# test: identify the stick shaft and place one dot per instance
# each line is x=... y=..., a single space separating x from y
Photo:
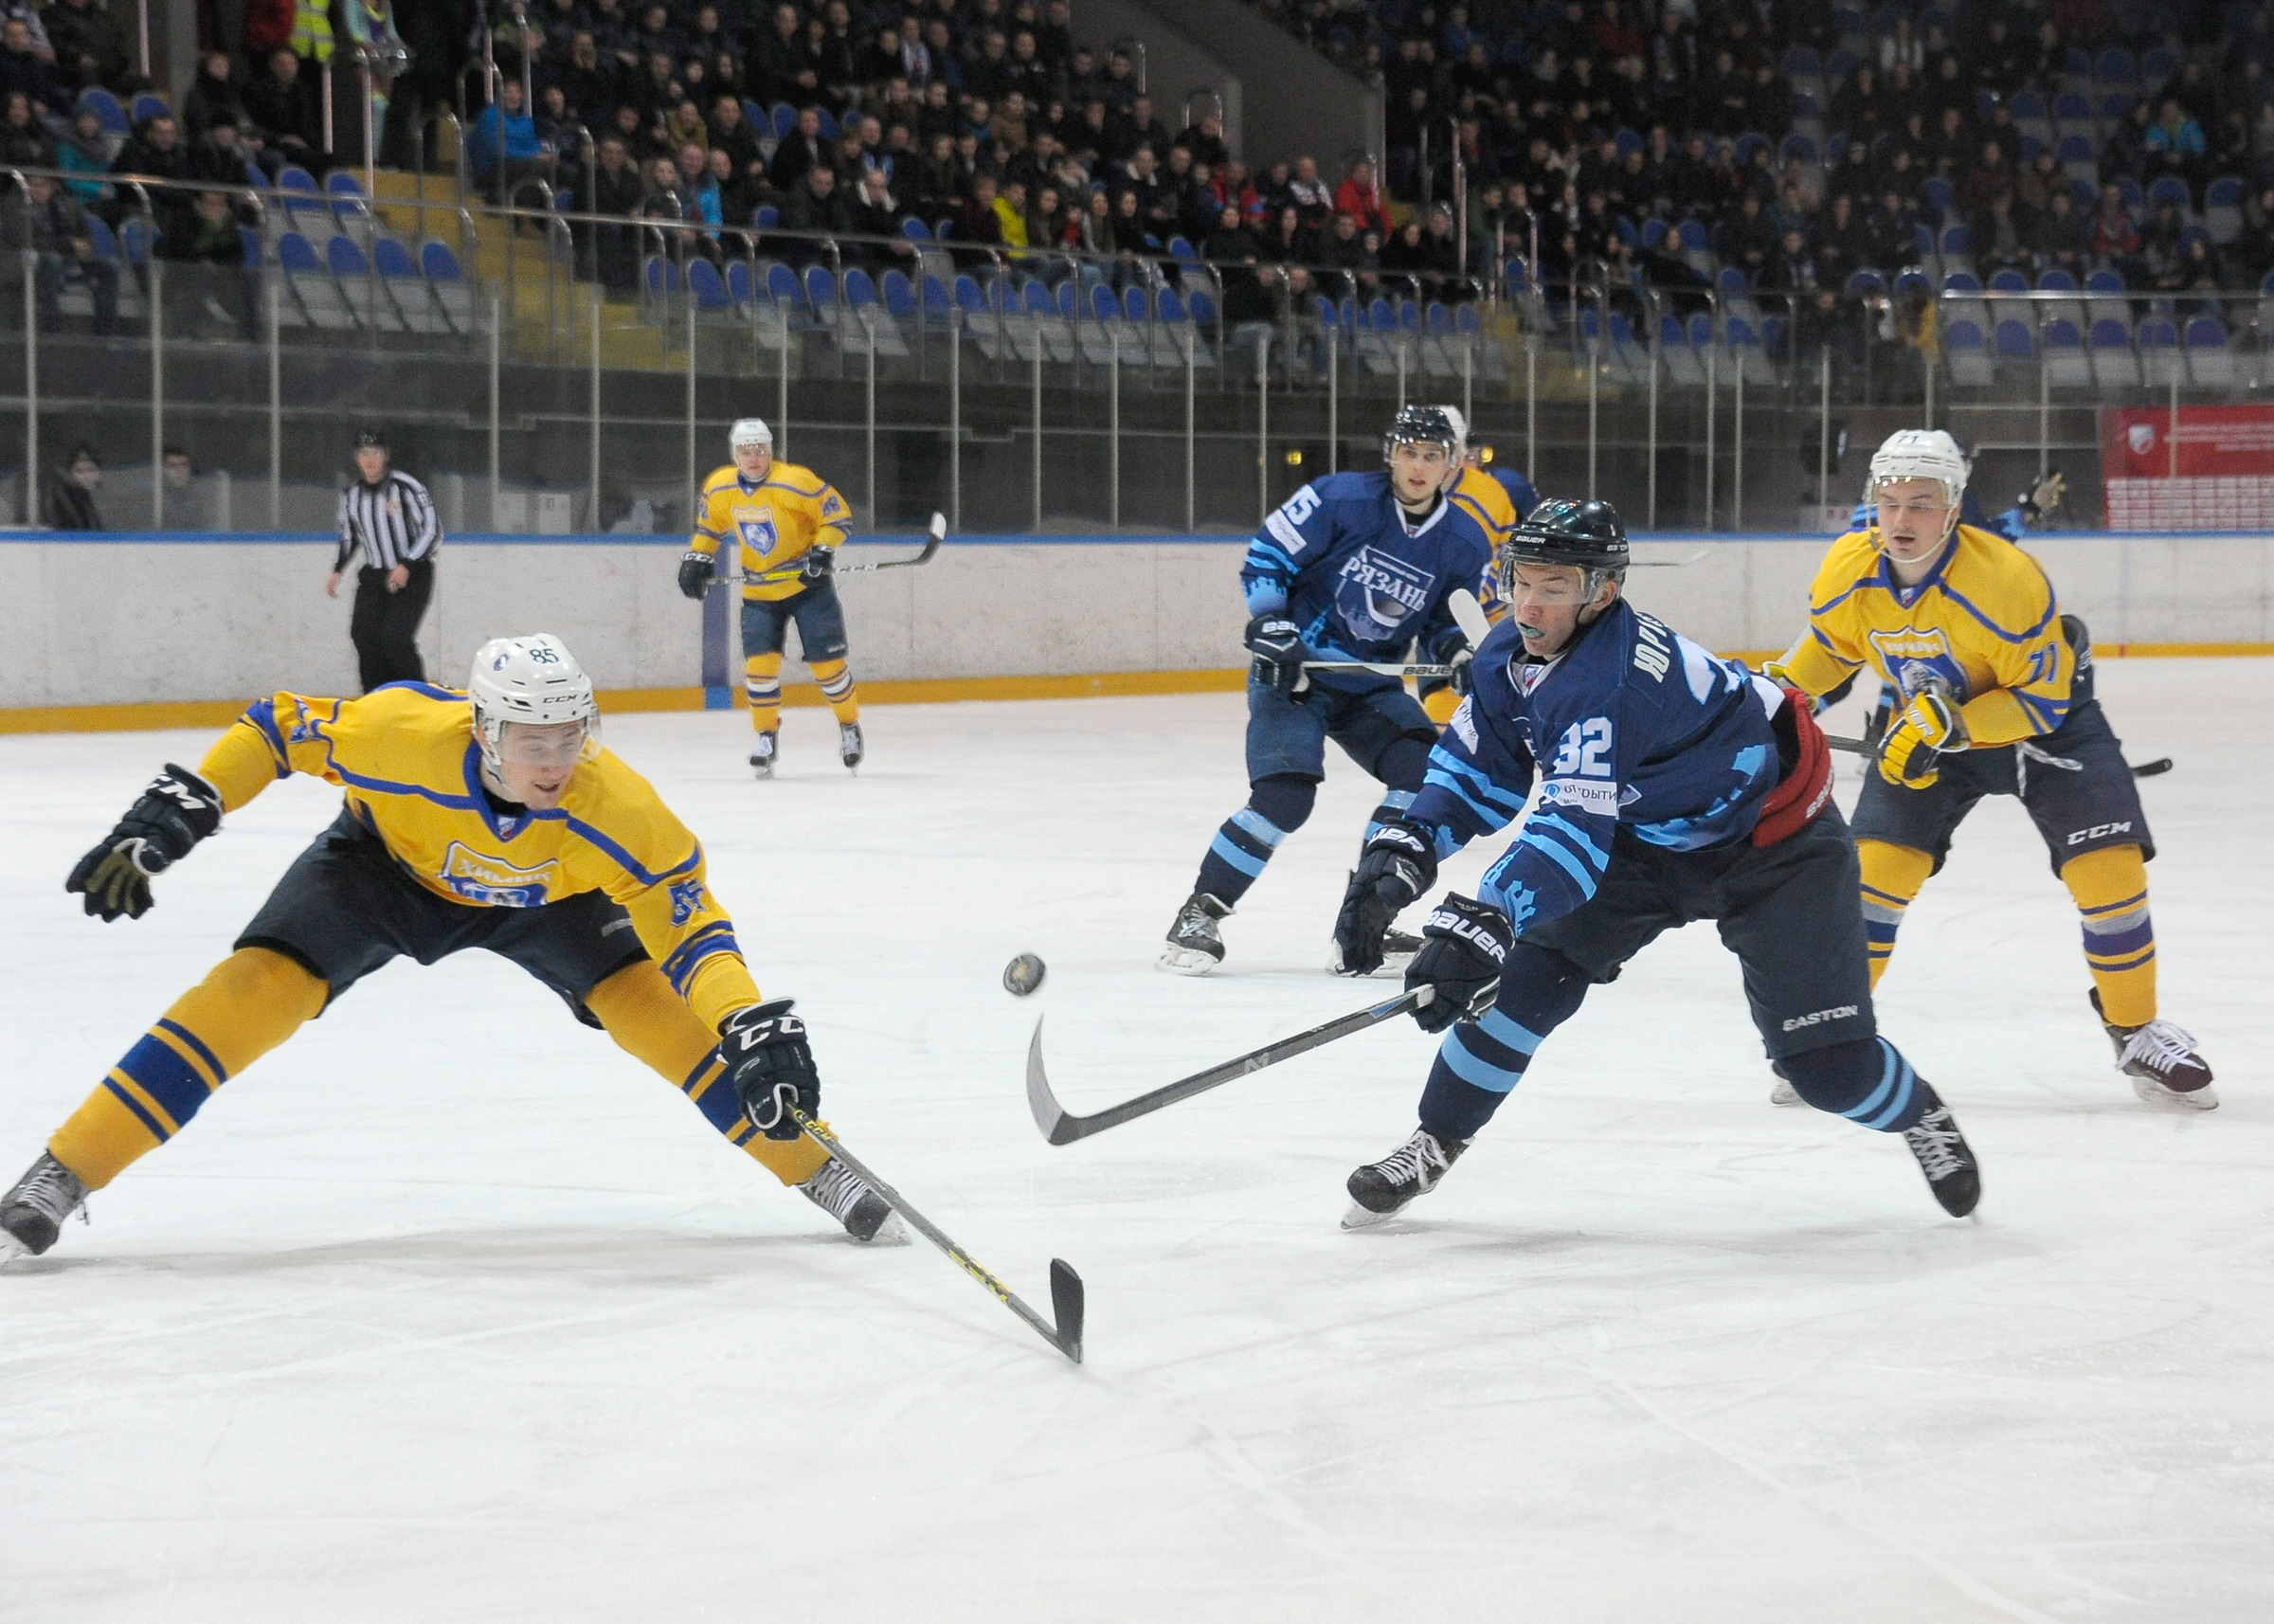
x=1857 y=747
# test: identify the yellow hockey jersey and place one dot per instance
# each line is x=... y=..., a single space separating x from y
x=776 y=522
x=1984 y=620
x=1485 y=500
x=407 y=756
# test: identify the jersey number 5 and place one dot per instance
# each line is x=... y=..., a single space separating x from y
x=1582 y=749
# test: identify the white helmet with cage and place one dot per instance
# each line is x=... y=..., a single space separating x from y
x=1921 y=454
x=748 y=431
x=533 y=679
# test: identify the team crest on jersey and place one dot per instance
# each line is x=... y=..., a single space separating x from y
x=1377 y=592
x=492 y=882
x=687 y=900
x=1914 y=658
x=758 y=534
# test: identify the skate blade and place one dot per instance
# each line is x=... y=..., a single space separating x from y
x=1783 y=1094
x=11 y=1248
x=2156 y=1093
x=1392 y=964
x=1365 y=1218
x=891 y=1232
x=1186 y=962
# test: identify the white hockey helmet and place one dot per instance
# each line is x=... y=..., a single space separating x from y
x=533 y=679
x=1921 y=454
x=748 y=431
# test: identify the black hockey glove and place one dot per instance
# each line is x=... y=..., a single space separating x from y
x=1399 y=864
x=694 y=572
x=770 y=1067
x=1463 y=948
x=816 y=565
x=176 y=811
x=1277 y=647
x=1463 y=676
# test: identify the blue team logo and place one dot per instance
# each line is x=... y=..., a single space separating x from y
x=1911 y=658
x=687 y=900
x=758 y=534
x=492 y=882
x=1376 y=593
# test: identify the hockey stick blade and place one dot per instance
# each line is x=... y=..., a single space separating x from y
x=936 y=534
x=1857 y=747
x=1468 y=615
x=1065 y=1285
x=1060 y=1126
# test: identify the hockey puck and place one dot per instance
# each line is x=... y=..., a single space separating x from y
x=1023 y=975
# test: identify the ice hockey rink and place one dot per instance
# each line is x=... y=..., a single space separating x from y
x=451 y=1311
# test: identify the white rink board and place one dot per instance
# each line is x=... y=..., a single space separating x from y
x=448 y=1311
x=140 y=619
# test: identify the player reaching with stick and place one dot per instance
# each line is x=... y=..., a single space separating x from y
x=788 y=523
x=1355 y=567
x=1676 y=787
x=1992 y=694
x=490 y=819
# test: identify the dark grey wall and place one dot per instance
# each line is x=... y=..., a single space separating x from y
x=1176 y=64
x=1295 y=101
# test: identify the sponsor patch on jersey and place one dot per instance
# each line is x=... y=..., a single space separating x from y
x=1464 y=724
x=1912 y=657
x=1598 y=796
x=492 y=882
x=1376 y=592
x=687 y=899
x=759 y=535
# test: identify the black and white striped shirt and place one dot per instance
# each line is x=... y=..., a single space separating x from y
x=392 y=522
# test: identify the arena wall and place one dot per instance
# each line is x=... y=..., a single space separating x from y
x=145 y=630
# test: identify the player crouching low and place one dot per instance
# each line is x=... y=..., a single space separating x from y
x=1676 y=787
x=1992 y=694
x=491 y=819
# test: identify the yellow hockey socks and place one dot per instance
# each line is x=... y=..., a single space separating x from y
x=762 y=686
x=1892 y=876
x=252 y=1001
x=654 y=1026
x=2111 y=891
x=836 y=682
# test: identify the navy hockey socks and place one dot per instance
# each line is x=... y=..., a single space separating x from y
x=1276 y=808
x=1480 y=1063
x=1865 y=1080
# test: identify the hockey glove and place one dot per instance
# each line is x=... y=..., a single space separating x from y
x=816 y=565
x=1399 y=864
x=2041 y=500
x=1777 y=672
x=176 y=811
x=694 y=572
x=763 y=1048
x=1920 y=731
x=1278 y=650
x=1463 y=948
x=1463 y=674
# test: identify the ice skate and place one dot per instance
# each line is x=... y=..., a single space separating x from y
x=33 y=1214
x=1945 y=1158
x=848 y=745
x=1783 y=1092
x=1381 y=1190
x=762 y=755
x=837 y=1191
x=2161 y=1062
x=1194 y=946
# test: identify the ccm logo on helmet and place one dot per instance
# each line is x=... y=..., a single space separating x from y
x=2100 y=831
x=1841 y=1012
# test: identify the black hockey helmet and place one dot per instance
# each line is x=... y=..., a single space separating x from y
x=1422 y=424
x=374 y=439
x=1586 y=535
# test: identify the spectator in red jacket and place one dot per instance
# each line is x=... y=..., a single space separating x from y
x=1360 y=199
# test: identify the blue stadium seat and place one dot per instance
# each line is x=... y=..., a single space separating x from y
x=707 y=285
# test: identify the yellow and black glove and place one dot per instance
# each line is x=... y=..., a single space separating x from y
x=1922 y=729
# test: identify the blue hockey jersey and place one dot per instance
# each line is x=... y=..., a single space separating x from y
x=1360 y=580
x=1636 y=726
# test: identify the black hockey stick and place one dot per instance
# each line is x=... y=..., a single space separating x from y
x=938 y=534
x=1060 y=1127
x=1065 y=1285
x=1861 y=746
x=1377 y=668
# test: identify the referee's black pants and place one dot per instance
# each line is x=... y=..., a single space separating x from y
x=385 y=625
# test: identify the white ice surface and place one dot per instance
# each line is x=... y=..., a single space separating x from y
x=448 y=1310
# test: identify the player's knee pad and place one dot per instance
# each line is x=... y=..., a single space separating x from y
x=1865 y=1080
x=1404 y=762
x=1284 y=801
x=1540 y=988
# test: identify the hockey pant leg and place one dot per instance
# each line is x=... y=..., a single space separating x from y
x=250 y=1002
x=1865 y=1080
x=653 y=1025
x=1277 y=806
x=2110 y=887
x=1892 y=876
x=1481 y=1062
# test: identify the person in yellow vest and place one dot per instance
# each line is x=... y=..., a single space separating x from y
x=312 y=30
x=1993 y=696
x=487 y=818
x=788 y=523
x=1485 y=500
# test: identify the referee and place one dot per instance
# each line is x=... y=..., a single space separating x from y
x=390 y=517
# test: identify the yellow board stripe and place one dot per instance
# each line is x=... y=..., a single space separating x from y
x=157 y=1113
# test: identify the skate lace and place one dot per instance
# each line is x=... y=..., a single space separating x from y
x=2160 y=1046
x=1934 y=1141
x=52 y=1189
x=1419 y=1160
x=835 y=1189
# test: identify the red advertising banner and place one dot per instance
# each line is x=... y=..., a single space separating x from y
x=2223 y=459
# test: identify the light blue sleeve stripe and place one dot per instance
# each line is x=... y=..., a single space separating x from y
x=1502 y=1030
x=1480 y=1073
x=1579 y=836
x=1237 y=858
x=1491 y=818
x=1564 y=860
x=1442 y=760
